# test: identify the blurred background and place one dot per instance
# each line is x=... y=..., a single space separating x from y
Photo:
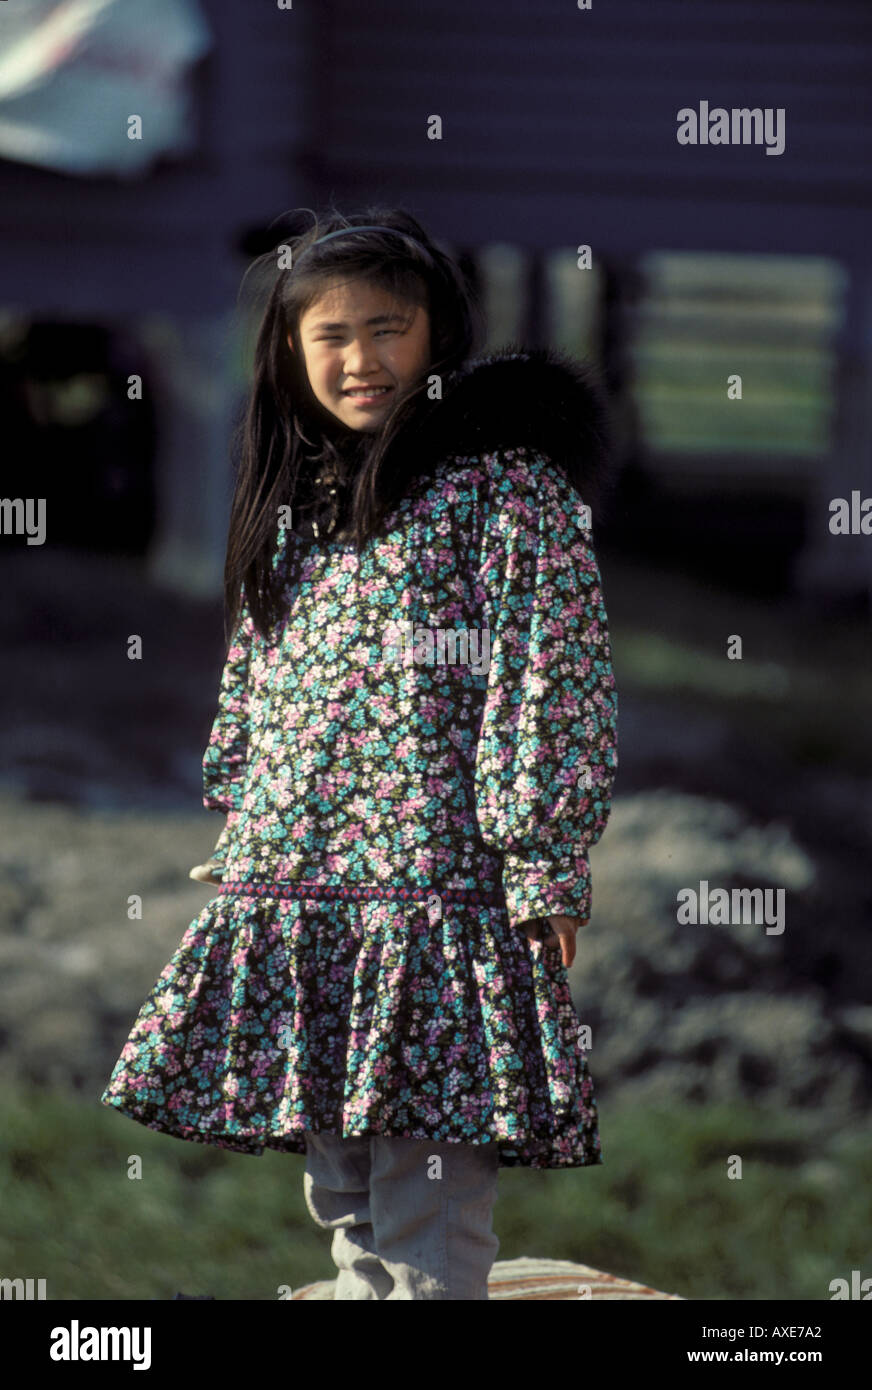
x=144 y=154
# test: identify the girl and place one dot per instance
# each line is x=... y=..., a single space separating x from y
x=414 y=749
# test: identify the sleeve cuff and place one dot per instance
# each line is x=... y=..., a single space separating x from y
x=544 y=887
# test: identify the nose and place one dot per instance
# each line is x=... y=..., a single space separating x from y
x=360 y=358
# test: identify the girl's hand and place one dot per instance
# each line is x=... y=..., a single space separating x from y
x=555 y=930
x=210 y=872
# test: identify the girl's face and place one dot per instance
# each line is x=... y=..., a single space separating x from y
x=356 y=338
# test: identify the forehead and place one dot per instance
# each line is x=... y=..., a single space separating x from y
x=354 y=300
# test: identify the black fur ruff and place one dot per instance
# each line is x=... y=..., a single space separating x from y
x=537 y=397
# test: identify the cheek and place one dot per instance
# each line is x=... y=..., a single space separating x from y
x=322 y=373
x=410 y=359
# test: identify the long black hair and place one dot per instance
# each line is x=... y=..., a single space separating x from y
x=285 y=430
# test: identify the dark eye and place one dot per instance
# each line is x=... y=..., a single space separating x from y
x=337 y=337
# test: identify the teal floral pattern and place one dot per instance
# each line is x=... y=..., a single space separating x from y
x=398 y=803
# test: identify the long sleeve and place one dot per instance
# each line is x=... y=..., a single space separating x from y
x=224 y=760
x=546 y=755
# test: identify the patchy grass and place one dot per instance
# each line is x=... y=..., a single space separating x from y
x=661 y=1209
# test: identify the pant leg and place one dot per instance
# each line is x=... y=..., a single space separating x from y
x=434 y=1233
x=336 y=1189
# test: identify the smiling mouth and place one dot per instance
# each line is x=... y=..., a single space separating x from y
x=366 y=393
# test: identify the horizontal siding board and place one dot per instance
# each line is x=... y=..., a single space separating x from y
x=614 y=80
x=617 y=221
x=710 y=188
x=595 y=97
x=794 y=22
x=559 y=128
x=366 y=54
x=512 y=140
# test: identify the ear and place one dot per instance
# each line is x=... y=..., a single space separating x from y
x=290 y=342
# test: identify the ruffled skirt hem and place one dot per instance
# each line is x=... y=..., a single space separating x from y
x=275 y=1017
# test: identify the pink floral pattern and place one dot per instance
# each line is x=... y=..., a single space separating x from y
x=338 y=766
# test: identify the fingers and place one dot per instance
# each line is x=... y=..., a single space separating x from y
x=553 y=931
x=567 y=947
x=567 y=950
x=562 y=932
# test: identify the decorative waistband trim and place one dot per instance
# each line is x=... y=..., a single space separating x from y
x=360 y=892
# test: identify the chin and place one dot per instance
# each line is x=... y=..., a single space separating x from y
x=364 y=426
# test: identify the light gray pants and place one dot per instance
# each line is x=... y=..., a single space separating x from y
x=412 y=1217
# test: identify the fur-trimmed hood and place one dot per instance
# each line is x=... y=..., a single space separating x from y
x=540 y=397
